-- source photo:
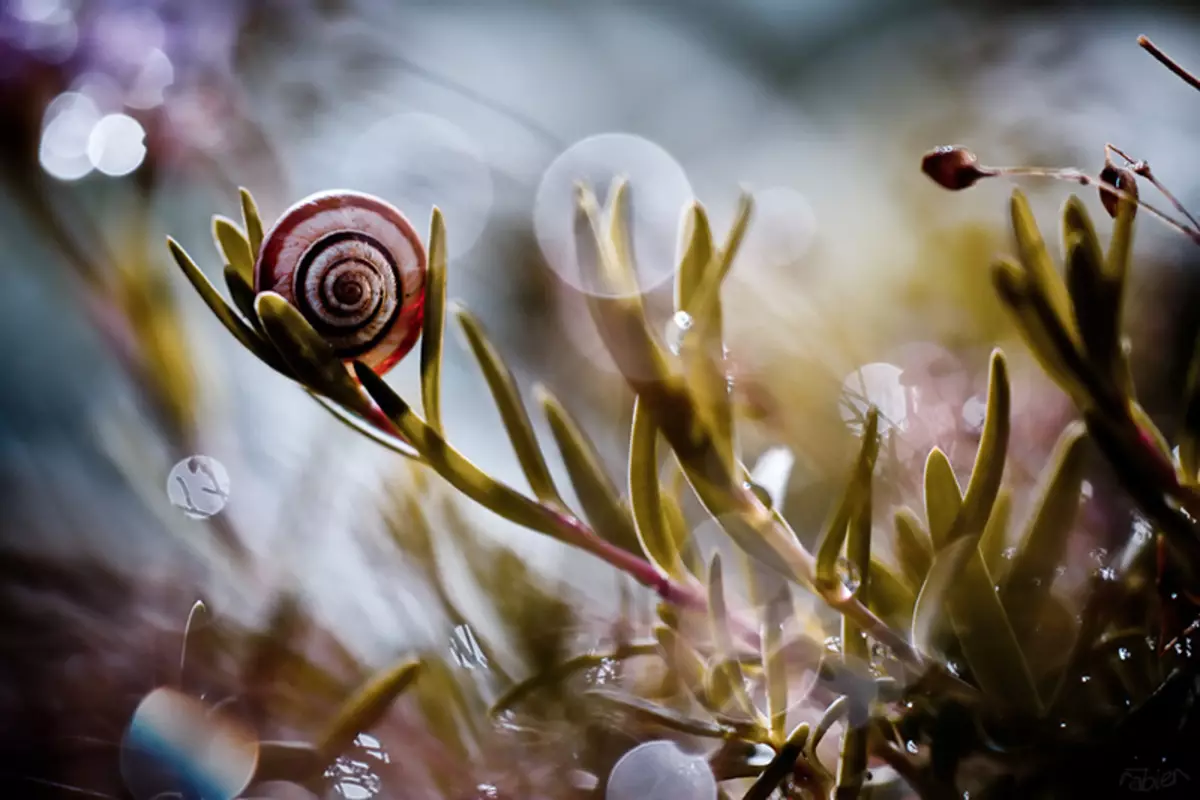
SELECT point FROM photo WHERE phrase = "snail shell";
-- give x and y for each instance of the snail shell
(354, 267)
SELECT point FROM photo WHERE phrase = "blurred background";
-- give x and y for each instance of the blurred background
(128, 120)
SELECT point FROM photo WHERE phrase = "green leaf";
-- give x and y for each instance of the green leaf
(943, 498)
(856, 493)
(598, 495)
(659, 715)
(228, 317)
(890, 597)
(1045, 335)
(781, 766)
(1043, 544)
(988, 642)
(775, 663)
(1038, 262)
(1120, 245)
(685, 663)
(931, 609)
(834, 713)
(311, 359)
(913, 548)
(718, 621)
(366, 707)
(242, 296)
(234, 247)
(458, 470)
(253, 223)
(984, 484)
(1094, 298)
(995, 534)
(644, 493)
(433, 326)
(512, 410)
(697, 257)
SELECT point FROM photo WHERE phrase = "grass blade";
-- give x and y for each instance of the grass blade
(644, 494)
(984, 484)
(253, 222)
(311, 359)
(913, 548)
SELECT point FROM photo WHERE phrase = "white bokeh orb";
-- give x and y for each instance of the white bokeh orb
(659, 193)
(660, 769)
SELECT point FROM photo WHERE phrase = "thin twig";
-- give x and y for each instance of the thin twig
(1168, 62)
(1142, 169)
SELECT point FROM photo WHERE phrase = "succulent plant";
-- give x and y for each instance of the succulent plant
(958, 669)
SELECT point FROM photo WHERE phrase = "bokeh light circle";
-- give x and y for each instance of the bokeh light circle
(659, 193)
(660, 769)
(117, 145)
(175, 744)
(416, 161)
(67, 128)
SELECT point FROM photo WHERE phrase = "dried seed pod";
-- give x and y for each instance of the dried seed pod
(953, 168)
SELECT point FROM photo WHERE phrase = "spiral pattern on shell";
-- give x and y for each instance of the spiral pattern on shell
(354, 267)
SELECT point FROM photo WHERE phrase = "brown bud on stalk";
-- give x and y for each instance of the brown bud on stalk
(953, 168)
(1118, 178)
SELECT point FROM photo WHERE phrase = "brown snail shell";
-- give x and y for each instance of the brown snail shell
(354, 267)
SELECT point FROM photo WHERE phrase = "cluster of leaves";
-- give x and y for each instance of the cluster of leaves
(953, 653)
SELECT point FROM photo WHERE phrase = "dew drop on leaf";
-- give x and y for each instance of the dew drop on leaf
(677, 329)
(1124, 654)
(849, 575)
(911, 746)
(1010, 553)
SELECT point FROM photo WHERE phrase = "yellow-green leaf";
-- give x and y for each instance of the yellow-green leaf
(433, 326)
(1043, 544)
(775, 663)
(242, 295)
(644, 493)
(253, 222)
(659, 715)
(930, 618)
(311, 359)
(988, 641)
(685, 662)
(1095, 299)
(366, 708)
(718, 621)
(995, 534)
(228, 317)
(890, 597)
(856, 493)
(984, 484)
(913, 548)
(943, 498)
(516, 420)
(598, 495)
(1037, 260)
(234, 246)
(461, 473)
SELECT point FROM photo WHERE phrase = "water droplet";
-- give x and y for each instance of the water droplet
(607, 671)
(1062, 724)
(849, 574)
(1150, 642)
(1085, 678)
(681, 322)
(953, 667)
(1108, 574)
(465, 649)
(660, 769)
(1142, 530)
(1124, 654)
(353, 776)
(1098, 554)
(1086, 490)
(1010, 553)
(911, 746)
(1059, 571)
(834, 644)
